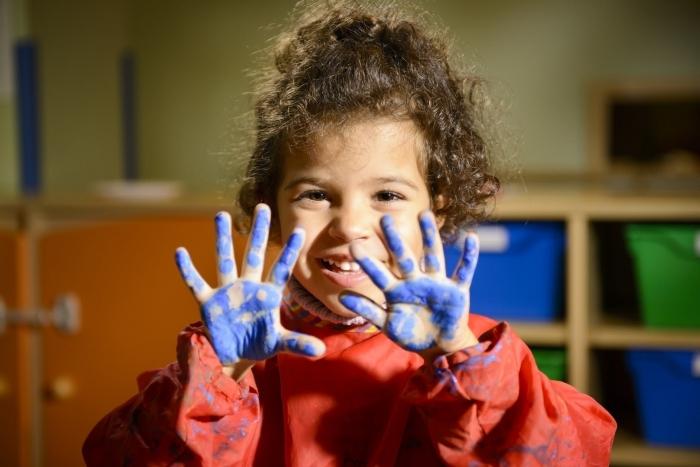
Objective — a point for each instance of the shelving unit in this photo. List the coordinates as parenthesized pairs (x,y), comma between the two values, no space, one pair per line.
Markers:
(585,328)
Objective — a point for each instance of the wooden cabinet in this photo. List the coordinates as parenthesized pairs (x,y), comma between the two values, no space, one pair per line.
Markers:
(118,260)
(14,377)
(133,305)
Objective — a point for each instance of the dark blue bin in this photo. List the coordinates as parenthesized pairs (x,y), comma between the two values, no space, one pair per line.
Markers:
(667,384)
(519,276)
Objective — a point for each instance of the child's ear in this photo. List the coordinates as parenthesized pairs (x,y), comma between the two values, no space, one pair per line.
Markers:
(439,202)
(440,220)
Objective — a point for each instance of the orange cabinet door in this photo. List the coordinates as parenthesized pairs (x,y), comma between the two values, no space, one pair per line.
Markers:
(133,304)
(14,355)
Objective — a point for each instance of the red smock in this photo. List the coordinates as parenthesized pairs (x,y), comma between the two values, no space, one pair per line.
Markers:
(365,402)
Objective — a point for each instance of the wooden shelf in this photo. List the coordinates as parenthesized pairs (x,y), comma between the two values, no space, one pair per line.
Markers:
(541,334)
(630,450)
(616,336)
(596,205)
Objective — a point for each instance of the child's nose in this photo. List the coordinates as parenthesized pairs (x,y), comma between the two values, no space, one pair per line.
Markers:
(351,223)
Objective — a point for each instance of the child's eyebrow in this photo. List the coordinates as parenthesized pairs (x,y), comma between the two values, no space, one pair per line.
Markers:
(319,181)
(401,180)
(298,180)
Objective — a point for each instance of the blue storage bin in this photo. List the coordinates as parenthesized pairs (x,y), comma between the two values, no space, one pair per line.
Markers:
(519,276)
(667,384)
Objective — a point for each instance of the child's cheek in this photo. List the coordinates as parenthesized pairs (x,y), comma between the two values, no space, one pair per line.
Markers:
(410,234)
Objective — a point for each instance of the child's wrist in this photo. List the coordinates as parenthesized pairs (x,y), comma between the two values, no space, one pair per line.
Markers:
(468,340)
(237,370)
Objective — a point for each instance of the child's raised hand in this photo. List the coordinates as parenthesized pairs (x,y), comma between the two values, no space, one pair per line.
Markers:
(242,315)
(425,311)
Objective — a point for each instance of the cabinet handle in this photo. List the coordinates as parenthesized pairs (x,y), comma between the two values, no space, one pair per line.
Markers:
(64,316)
(61,388)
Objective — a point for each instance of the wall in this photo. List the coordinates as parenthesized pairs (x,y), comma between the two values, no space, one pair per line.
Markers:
(545,54)
(192,81)
(79,42)
(12,25)
(542,56)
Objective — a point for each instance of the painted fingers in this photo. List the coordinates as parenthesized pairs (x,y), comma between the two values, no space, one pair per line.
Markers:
(302,344)
(282,269)
(198,286)
(464,273)
(433,255)
(363,306)
(254,256)
(226,264)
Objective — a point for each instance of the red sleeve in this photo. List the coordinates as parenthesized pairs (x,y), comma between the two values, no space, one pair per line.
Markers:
(188,413)
(490,404)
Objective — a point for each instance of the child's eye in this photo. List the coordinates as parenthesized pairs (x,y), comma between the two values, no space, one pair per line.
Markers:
(388,196)
(312,195)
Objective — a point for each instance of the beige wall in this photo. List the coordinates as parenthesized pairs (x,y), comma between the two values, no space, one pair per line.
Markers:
(192,56)
(192,63)
(79,42)
(12,25)
(8,148)
(546,53)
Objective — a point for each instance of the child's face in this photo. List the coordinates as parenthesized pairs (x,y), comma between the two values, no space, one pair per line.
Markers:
(338,190)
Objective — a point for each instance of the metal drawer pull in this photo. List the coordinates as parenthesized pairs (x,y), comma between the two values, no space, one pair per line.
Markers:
(60,389)
(65,315)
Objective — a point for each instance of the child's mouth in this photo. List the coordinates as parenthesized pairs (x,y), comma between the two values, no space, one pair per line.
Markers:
(344,273)
(343,267)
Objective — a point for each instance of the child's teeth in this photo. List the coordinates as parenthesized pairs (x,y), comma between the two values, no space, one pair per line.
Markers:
(346,266)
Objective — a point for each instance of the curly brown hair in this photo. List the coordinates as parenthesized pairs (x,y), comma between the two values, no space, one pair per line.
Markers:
(343,61)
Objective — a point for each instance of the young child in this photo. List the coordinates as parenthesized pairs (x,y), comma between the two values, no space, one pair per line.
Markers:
(357,349)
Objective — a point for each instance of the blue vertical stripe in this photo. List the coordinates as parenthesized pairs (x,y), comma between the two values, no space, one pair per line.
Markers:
(128,92)
(28,116)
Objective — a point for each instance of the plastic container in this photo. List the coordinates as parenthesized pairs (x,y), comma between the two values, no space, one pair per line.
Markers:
(667,385)
(667,266)
(551,362)
(519,275)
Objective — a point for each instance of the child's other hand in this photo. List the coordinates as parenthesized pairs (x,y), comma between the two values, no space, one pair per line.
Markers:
(425,311)
(242,315)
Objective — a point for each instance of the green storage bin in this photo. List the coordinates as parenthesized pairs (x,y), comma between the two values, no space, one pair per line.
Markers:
(551,362)
(667,266)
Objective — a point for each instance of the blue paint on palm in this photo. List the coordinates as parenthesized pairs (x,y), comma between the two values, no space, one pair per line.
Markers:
(247,330)
(446,301)
(402,327)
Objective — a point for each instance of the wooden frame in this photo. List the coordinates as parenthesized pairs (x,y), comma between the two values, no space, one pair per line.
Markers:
(601,95)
